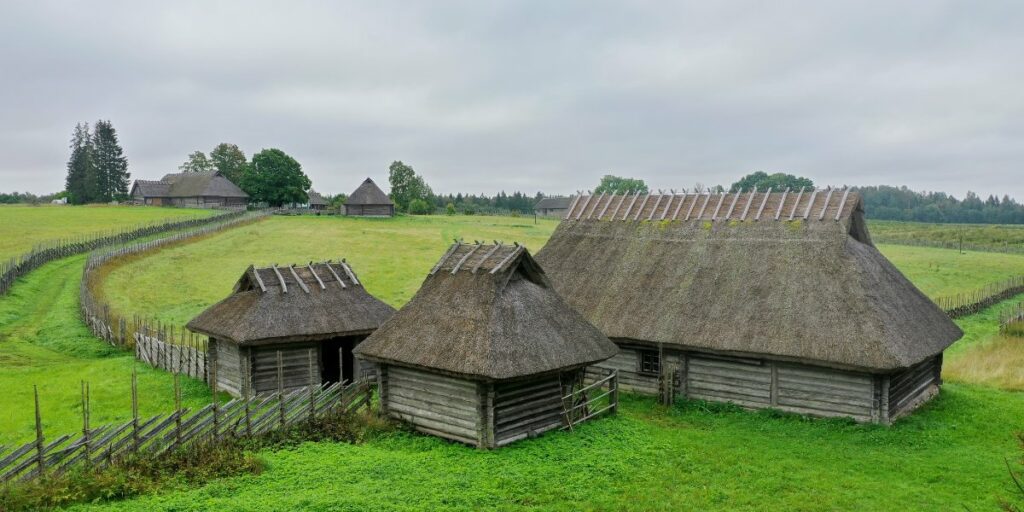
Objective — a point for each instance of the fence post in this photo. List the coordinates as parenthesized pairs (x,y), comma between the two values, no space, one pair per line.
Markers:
(614,391)
(40,455)
(280,386)
(85,423)
(135,409)
(177,411)
(213,392)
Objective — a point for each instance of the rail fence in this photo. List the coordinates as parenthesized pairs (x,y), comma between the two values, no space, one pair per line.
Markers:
(601,396)
(155,343)
(97,447)
(52,250)
(963,304)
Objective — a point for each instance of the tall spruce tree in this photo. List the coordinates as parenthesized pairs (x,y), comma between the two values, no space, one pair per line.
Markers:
(81,168)
(111,165)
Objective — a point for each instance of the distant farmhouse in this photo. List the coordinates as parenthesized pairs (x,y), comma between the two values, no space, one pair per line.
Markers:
(369,201)
(761,299)
(316,201)
(485,351)
(312,315)
(552,206)
(191,189)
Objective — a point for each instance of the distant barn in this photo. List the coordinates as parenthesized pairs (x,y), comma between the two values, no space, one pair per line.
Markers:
(552,206)
(369,201)
(762,299)
(485,351)
(316,201)
(319,307)
(190,189)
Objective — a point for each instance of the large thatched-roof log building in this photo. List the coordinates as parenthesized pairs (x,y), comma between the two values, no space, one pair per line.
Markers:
(190,189)
(369,201)
(485,350)
(762,299)
(319,309)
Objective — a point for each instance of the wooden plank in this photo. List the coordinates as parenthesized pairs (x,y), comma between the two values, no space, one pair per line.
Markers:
(297,279)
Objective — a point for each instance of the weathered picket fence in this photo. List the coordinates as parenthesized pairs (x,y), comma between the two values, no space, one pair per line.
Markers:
(96,447)
(963,304)
(155,343)
(52,250)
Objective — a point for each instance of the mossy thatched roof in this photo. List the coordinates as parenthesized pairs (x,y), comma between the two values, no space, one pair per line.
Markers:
(487,312)
(725,276)
(368,193)
(294,303)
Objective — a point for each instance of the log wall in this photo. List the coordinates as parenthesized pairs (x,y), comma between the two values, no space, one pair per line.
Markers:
(370,210)
(295,366)
(527,408)
(914,386)
(228,358)
(434,404)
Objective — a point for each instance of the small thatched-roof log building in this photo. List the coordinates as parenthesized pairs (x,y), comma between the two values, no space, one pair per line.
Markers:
(316,201)
(485,350)
(319,307)
(190,189)
(762,299)
(369,201)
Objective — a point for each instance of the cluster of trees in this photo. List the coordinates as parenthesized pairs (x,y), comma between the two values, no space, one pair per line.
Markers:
(226,158)
(900,203)
(413,195)
(97,169)
(777,182)
(28,198)
(272,176)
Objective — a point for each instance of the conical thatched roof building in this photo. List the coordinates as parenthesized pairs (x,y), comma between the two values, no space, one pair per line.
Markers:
(318,307)
(369,201)
(485,328)
(763,299)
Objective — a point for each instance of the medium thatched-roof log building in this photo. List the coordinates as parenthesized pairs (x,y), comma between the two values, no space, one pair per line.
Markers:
(319,309)
(762,299)
(369,201)
(190,189)
(485,351)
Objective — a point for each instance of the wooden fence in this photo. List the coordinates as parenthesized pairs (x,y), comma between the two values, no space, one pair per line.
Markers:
(155,343)
(1011,320)
(963,304)
(52,250)
(601,396)
(241,417)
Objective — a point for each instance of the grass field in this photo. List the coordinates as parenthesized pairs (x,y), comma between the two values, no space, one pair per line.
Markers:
(694,456)
(989,235)
(21,226)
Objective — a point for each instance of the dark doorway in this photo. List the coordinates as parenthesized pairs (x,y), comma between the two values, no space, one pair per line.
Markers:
(337,361)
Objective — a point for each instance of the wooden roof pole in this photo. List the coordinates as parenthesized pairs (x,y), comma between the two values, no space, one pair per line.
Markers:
(631,203)
(842,204)
(451,250)
(792,213)
(696,197)
(259,281)
(508,258)
(599,198)
(318,280)
(828,198)
(656,203)
(622,199)
(763,202)
(284,286)
(746,208)
(704,206)
(641,210)
(487,255)
(567,213)
(721,199)
(297,280)
(810,203)
(732,205)
(466,257)
(584,207)
(782,203)
(348,270)
(335,274)
(679,206)
(606,205)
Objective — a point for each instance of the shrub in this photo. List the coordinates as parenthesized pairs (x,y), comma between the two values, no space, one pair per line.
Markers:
(450,209)
(420,207)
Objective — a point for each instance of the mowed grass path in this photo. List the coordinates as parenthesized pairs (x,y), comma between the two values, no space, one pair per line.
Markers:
(390,256)
(21,226)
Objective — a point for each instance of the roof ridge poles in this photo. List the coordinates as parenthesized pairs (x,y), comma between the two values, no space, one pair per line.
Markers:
(568,213)
(842,204)
(622,199)
(671,197)
(284,286)
(810,203)
(487,255)
(679,206)
(824,207)
(318,280)
(782,203)
(703,207)
(348,270)
(451,250)
(507,258)
(584,207)
(335,274)
(721,199)
(746,208)
(297,280)
(606,205)
(656,203)
(642,205)
(792,213)
(732,205)
(599,198)
(763,202)
(631,203)
(466,257)
(259,280)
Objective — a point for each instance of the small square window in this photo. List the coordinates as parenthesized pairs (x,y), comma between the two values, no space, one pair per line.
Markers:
(650,363)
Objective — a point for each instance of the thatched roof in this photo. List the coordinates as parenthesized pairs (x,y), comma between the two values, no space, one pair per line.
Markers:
(487,312)
(295,303)
(189,184)
(553,203)
(368,193)
(315,198)
(733,274)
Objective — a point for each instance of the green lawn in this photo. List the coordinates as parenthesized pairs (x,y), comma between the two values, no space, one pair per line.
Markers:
(1001,236)
(21,226)
(391,256)
(944,272)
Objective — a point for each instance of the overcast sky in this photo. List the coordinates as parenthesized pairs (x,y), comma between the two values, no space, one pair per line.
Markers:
(545,95)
